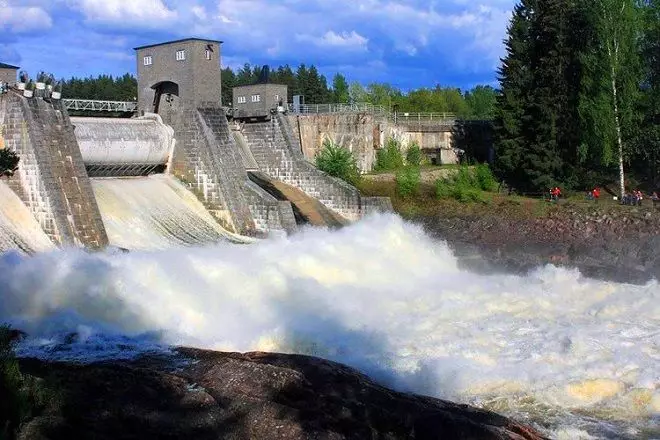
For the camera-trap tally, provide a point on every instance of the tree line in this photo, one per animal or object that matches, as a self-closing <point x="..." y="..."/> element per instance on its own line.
<point x="579" y="99"/>
<point x="477" y="103"/>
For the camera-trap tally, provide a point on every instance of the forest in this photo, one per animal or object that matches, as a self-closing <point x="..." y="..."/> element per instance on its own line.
<point x="579" y="96"/>
<point x="477" y="103"/>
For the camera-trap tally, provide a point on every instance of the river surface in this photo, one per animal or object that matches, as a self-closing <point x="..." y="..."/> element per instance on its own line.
<point x="575" y="357"/>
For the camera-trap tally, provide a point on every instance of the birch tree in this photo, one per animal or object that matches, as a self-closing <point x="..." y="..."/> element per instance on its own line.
<point x="613" y="81"/>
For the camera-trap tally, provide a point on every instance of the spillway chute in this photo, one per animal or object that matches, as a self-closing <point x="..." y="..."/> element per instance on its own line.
<point x="156" y="212"/>
<point x="19" y="230"/>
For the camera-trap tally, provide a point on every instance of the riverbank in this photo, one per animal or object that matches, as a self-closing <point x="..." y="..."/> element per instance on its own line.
<point x="511" y="233"/>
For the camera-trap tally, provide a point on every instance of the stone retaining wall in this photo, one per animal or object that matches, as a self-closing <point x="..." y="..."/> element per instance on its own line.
<point x="51" y="178"/>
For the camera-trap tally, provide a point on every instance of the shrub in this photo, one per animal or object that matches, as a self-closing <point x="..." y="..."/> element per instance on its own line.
<point x="407" y="181"/>
<point x="338" y="162"/>
<point x="8" y="161"/>
<point x="467" y="184"/>
<point x="390" y="157"/>
<point x="21" y="397"/>
<point x="485" y="178"/>
<point x="414" y="155"/>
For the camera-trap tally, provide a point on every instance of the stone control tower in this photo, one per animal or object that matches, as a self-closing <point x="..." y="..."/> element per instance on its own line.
<point x="178" y="74"/>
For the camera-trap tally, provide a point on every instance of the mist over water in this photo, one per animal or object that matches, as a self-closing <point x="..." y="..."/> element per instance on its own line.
<point x="580" y="356"/>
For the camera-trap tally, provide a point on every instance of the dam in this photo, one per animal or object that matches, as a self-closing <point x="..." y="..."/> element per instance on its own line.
<point x="182" y="173"/>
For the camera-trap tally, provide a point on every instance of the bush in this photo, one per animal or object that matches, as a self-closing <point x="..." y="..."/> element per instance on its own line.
<point x="390" y="157"/>
<point x="467" y="184"/>
<point x="338" y="162"/>
<point x="21" y="397"/>
<point x="8" y="161"/>
<point x="407" y="181"/>
<point x="414" y="155"/>
<point x="485" y="177"/>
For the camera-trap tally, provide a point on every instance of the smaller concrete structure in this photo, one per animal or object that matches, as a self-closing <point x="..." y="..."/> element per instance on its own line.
<point x="8" y="73"/>
<point x="257" y="100"/>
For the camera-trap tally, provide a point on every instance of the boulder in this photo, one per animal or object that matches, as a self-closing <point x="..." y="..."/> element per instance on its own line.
<point x="201" y="394"/>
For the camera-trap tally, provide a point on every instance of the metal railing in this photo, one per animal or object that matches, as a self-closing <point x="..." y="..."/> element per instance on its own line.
<point x="403" y="117"/>
<point x="100" y="106"/>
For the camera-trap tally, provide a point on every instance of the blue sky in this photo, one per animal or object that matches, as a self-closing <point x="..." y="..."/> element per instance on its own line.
<point x="407" y="43"/>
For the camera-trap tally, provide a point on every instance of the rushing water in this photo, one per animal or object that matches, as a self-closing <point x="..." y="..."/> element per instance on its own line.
<point x="18" y="228"/>
<point x="578" y="357"/>
<point x="155" y="212"/>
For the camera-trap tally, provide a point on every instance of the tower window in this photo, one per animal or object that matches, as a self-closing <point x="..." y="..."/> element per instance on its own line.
<point x="148" y="61"/>
<point x="208" y="54"/>
<point x="256" y="98"/>
<point x="241" y="100"/>
<point x="180" y="55"/>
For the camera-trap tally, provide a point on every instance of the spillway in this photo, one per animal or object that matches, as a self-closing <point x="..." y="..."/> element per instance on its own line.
<point x="155" y="212"/>
<point x="19" y="230"/>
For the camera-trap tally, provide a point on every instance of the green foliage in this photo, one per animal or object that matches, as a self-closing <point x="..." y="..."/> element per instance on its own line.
<point x="104" y="87"/>
<point x="467" y="184"/>
<point x="407" y="181"/>
<point x="22" y="397"/>
<point x="484" y="177"/>
<point x="340" y="92"/>
<point x="8" y="162"/>
<point x="338" y="162"/>
<point x="390" y="157"/>
<point x="414" y="155"/>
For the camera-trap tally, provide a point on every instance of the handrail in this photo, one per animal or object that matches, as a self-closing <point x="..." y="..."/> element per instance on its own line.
<point x="100" y="105"/>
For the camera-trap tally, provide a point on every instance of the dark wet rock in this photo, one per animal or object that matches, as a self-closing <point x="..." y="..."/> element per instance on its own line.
<point x="602" y="245"/>
<point x="252" y="395"/>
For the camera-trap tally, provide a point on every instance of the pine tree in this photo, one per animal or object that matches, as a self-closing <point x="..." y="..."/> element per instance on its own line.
<point x="340" y="89"/>
<point x="515" y="77"/>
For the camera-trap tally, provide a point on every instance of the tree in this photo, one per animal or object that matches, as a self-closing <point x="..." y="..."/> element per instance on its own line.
<point x="8" y="162"/>
<point x="612" y="100"/>
<point x="228" y="82"/>
<point x="481" y="102"/>
<point x="357" y="93"/>
<point x="515" y="77"/>
<point x="340" y="92"/>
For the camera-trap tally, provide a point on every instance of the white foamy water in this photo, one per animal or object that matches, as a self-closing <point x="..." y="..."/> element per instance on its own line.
<point x="19" y="230"/>
<point x="577" y="356"/>
<point x="155" y="212"/>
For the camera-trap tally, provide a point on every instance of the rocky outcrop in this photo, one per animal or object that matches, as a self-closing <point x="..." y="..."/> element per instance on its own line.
<point x="618" y="245"/>
<point x="209" y="395"/>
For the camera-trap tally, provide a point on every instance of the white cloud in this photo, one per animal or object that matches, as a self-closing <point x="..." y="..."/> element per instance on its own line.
<point x="348" y="40"/>
<point x="150" y="13"/>
<point x="23" y="18"/>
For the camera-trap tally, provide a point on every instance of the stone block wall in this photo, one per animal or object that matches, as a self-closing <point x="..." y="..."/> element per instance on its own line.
<point x="51" y="179"/>
<point x="277" y="150"/>
<point x="207" y="158"/>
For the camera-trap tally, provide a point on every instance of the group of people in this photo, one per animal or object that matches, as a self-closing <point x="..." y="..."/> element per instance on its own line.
<point x="633" y="198"/>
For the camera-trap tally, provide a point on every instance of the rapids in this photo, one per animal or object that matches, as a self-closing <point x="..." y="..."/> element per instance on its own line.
<point x="577" y="357"/>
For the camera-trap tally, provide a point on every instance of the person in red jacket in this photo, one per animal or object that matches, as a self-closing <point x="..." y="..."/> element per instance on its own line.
<point x="596" y="194"/>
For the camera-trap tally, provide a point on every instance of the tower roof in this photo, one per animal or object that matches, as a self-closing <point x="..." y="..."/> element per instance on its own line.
<point x="178" y="41"/>
<point x="8" y="66"/>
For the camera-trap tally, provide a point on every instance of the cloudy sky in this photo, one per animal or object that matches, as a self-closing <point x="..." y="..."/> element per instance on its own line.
<point x="408" y="43"/>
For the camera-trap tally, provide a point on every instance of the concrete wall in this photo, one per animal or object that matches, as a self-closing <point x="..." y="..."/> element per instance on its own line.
<point x="276" y="149"/>
<point x="51" y="178"/>
<point x="198" y="78"/>
<point x="8" y="76"/>
<point x="363" y="134"/>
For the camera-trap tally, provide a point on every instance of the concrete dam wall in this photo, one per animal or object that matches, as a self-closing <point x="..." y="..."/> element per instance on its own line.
<point x="141" y="184"/>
